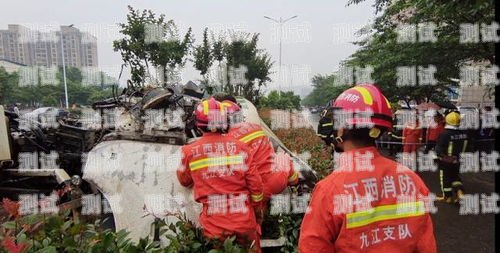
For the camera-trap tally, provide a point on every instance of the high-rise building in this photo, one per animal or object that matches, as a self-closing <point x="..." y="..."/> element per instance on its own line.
<point x="34" y="48"/>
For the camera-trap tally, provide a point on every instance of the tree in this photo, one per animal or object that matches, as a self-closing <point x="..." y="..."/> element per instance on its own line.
<point x="242" y="69"/>
<point x="73" y="74"/>
<point x="325" y="88"/>
<point x="151" y="40"/>
<point x="382" y="51"/>
<point x="204" y="57"/>
<point x="7" y="86"/>
<point x="242" y="51"/>
<point x="281" y="100"/>
<point x="40" y="94"/>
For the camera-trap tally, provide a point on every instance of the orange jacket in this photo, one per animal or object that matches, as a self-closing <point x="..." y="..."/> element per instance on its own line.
<point x="434" y="132"/>
<point x="358" y="209"/>
<point x="218" y="168"/>
<point x="411" y="136"/>
<point x="276" y="170"/>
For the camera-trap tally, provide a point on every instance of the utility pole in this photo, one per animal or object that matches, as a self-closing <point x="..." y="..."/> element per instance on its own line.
<point x="64" y="69"/>
<point x="281" y="21"/>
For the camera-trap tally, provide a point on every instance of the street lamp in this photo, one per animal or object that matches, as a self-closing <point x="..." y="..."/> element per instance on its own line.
<point x="281" y="21"/>
<point x="64" y="69"/>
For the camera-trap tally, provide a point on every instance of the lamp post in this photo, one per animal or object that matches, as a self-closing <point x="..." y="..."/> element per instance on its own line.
<point x="64" y="69"/>
<point x="281" y="21"/>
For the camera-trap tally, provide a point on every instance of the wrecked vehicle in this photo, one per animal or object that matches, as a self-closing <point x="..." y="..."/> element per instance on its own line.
<point x="122" y="164"/>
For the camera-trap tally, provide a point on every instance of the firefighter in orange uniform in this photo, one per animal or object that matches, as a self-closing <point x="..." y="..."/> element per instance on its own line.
<point x="369" y="203"/>
<point x="219" y="169"/>
<point x="434" y="130"/>
<point x="276" y="170"/>
<point x="412" y="137"/>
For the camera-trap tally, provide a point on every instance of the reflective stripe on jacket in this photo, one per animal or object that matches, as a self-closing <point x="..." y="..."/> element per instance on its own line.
<point x="276" y="170"/>
<point x="219" y="169"/>
<point x="362" y="208"/>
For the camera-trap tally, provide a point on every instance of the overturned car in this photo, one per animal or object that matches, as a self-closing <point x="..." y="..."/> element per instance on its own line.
<point x="119" y="159"/>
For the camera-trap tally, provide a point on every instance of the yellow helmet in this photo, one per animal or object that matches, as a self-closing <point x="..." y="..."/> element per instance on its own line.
<point x="452" y="119"/>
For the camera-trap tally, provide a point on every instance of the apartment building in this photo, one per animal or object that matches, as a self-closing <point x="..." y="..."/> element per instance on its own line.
<point x="34" y="48"/>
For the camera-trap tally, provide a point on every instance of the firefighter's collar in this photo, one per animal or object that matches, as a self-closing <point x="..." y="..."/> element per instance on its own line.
<point x="212" y="134"/>
<point x="451" y="127"/>
<point x="362" y="150"/>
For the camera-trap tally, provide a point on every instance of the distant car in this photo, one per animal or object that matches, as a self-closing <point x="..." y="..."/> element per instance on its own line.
<point x="60" y="113"/>
<point x="314" y="110"/>
<point x="39" y="115"/>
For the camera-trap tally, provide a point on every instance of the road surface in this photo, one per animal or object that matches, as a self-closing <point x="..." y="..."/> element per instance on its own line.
<point x="463" y="233"/>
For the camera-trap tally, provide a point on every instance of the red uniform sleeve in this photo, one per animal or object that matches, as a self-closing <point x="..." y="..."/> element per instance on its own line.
<point x="253" y="179"/>
<point x="318" y="231"/>
<point x="427" y="242"/>
<point x="183" y="172"/>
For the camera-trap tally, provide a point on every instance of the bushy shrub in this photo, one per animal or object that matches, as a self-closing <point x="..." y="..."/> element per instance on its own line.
<point x="299" y="140"/>
<point x="49" y="233"/>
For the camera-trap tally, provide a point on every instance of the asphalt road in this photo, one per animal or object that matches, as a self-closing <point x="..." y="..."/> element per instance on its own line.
<point x="463" y="233"/>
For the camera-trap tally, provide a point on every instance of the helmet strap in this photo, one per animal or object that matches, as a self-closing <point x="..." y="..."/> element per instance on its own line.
<point x="374" y="133"/>
<point x="338" y="140"/>
<point x="338" y="135"/>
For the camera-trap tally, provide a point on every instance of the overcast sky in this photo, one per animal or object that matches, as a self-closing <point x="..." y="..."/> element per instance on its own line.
<point x="313" y="43"/>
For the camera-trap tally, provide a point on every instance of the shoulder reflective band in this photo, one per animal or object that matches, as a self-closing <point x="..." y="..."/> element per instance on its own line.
<point x="249" y="137"/>
<point x="367" y="97"/>
<point x="257" y="197"/>
<point x="327" y="124"/>
<point x="385" y="212"/>
<point x="293" y="177"/>
<point x="205" y="107"/>
<point x="215" y="161"/>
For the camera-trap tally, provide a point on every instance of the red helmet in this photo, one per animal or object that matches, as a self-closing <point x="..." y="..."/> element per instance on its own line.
<point x="230" y="106"/>
<point x="210" y="113"/>
<point x="367" y="105"/>
<point x="233" y="111"/>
